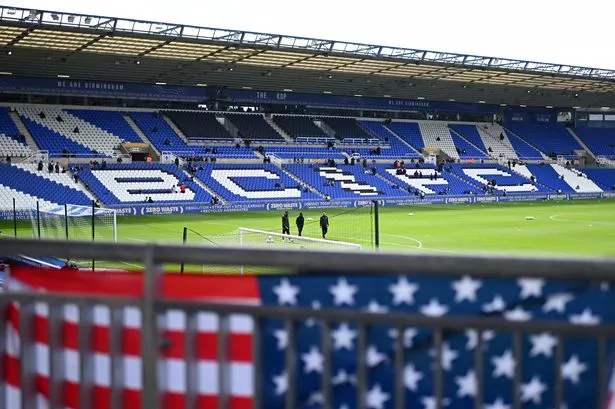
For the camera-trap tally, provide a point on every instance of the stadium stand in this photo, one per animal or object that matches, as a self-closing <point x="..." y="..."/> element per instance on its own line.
<point x="253" y="127"/>
<point x="548" y="175"/>
<point x="470" y="134"/>
<point x="133" y="183"/>
<point x="600" y="141"/>
<point x="11" y="142"/>
<point x="199" y="125"/>
<point x="340" y="181"/>
<point x="299" y="151"/>
<point x="505" y="179"/>
<point x="430" y="181"/>
<point x="496" y="140"/>
<point x="437" y="135"/>
<point x="112" y="122"/>
<point x="409" y="132"/>
<point x="347" y="128"/>
<point x="242" y="182"/>
<point x="551" y="139"/>
<point x="46" y="122"/>
<point x="28" y="186"/>
<point x="162" y="135"/>
<point x="399" y="148"/>
<point x="603" y="177"/>
<point x="299" y="126"/>
<point x="466" y="150"/>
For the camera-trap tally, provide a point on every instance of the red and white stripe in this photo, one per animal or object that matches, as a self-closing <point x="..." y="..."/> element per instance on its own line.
<point x="172" y="374"/>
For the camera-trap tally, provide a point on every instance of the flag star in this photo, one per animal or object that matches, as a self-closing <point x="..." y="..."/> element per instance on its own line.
<point x="281" y="383"/>
<point x="409" y="334"/>
<point x="312" y="360"/>
<point x="473" y="338"/>
<point x="531" y="287"/>
<point x="466" y="385"/>
<point x="542" y="344"/>
<point x="604" y="286"/>
<point x="429" y="402"/>
<point x="315" y="306"/>
<point x="557" y="302"/>
<point x="434" y="309"/>
<point x="448" y="355"/>
<point x="403" y="291"/>
<point x="376" y="308"/>
<point x="466" y="288"/>
<point x="412" y="377"/>
<point x="286" y="293"/>
<point x="343" y="336"/>
<point x="498" y="404"/>
<point x="518" y="314"/>
<point x="504" y="365"/>
<point x="533" y="390"/>
<point x="316" y="398"/>
<point x="496" y="305"/>
<point x="282" y="337"/>
<point x="572" y="369"/>
<point x="343" y="293"/>
<point x="585" y="318"/>
<point x="374" y="357"/>
<point x="376" y="397"/>
<point x="340" y="378"/>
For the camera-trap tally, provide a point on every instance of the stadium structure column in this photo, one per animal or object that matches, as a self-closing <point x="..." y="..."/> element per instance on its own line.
<point x="93" y="232"/>
<point x="184" y="239"/>
<point x="14" y="217"/>
<point x="66" y="220"/>
<point x="38" y="219"/>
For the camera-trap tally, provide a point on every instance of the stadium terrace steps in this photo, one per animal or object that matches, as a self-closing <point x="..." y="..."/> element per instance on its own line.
<point x="23" y="201"/>
<point x="297" y="126"/>
<point x="300" y="181"/>
<point x="196" y="125"/>
<point x="13" y="141"/>
<point x="409" y="132"/>
<point x="88" y="135"/>
<point x="526" y="173"/>
<point x="472" y="150"/>
<point x="54" y="142"/>
<point x="586" y="147"/>
<point x="576" y="179"/>
<point x="65" y="179"/>
<point x="112" y="122"/>
<point x="162" y="136"/>
<point x="604" y="178"/>
<point x="346" y="128"/>
<point x="34" y="185"/>
<point x="437" y="135"/>
<point x="494" y="137"/>
<point x="174" y="127"/>
<point x="209" y="190"/>
<point x="253" y="127"/>
<point x="546" y="175"/>
<point x="399" y="147"/>
<point x="133" y="125"/>
<point x="469" y="132"/>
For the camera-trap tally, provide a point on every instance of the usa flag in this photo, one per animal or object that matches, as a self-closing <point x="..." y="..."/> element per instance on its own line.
<point x="172" y="380"/>
<point x="514" y="300"/>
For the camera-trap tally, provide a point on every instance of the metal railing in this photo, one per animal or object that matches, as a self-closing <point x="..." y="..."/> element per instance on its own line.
<point x="314" y="262"/>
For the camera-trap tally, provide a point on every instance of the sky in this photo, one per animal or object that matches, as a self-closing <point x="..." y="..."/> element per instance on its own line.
<point x="552" y="31"/>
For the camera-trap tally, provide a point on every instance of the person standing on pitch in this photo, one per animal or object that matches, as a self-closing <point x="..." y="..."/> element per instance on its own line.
<point x="300" y="222"/>
<point x="324" y="224"/>
<point x="285" y="224"/>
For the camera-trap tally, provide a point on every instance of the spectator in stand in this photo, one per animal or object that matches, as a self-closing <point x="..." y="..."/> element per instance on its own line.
<point x="182" y="188"/>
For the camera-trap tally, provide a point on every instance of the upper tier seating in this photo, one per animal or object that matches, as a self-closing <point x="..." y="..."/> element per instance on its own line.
<point x="241" y="182"/>
<point x="253" y="127"/>
<point x="199" y="125"/>
<point x="399" y="149"/>
<point x="162" y="135"/>
<point x="437" y="135"/>
<point x="299" y="126"/>
<point x="28" y="186"/>
<point x="133" y="183"/>
<point x="444" y="184"/>
<point x="496" y="141"/>
<point x="12" y="142"/>
<point x="466" y="150"/>
<point x="548" y="138"/>
<point x="603" y="177"/>
<point x="341" y="181"/>
<point x="347" y="128"/>
<point x="600" y="141"/>
<point x="110" y="121"/>
<point x="470" y="133"/>
<point x="409" y="132"/>
<point x="58" y="131"/>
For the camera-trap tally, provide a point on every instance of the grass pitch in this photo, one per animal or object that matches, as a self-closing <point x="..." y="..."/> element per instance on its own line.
<point x="584" y="228"/>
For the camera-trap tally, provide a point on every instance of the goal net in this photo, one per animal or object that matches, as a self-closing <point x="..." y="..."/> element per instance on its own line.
<point x="73" y="222"/>
<point x="253" y="238"/>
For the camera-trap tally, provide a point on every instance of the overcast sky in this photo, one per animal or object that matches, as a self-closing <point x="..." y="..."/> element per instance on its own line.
<point x="554" y="31"/>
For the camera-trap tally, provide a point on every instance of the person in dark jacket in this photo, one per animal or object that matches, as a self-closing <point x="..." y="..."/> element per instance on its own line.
<point x="324" y="224"/>
<point x="300" y="222"/>
<point x="285" y="224"/>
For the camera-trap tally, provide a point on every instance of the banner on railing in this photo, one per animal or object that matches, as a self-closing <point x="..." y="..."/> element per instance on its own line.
<point x="190" y="207"/>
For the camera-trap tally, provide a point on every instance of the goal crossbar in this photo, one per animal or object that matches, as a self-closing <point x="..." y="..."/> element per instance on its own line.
<point x="298" y="238"/>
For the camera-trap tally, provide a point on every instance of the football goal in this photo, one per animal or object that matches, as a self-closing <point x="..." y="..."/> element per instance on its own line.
<point x="74" y="222"/>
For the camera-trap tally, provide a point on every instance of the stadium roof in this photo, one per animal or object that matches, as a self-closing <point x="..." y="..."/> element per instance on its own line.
<point x="49" y="44"/>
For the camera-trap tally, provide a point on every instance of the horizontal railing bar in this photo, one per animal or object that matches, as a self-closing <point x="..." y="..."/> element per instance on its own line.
<point x="560" y="268"/>
<point x="63" y="298"/>
<point x="449" y="322"/>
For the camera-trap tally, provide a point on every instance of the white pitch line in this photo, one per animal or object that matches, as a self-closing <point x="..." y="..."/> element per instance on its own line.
<point x="133" y="239"/>
<point x="420" y="243"/>
<point x="556" y="218"/>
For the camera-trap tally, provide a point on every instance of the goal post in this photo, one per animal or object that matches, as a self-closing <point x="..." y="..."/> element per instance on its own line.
<point x="74" y="222"/>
